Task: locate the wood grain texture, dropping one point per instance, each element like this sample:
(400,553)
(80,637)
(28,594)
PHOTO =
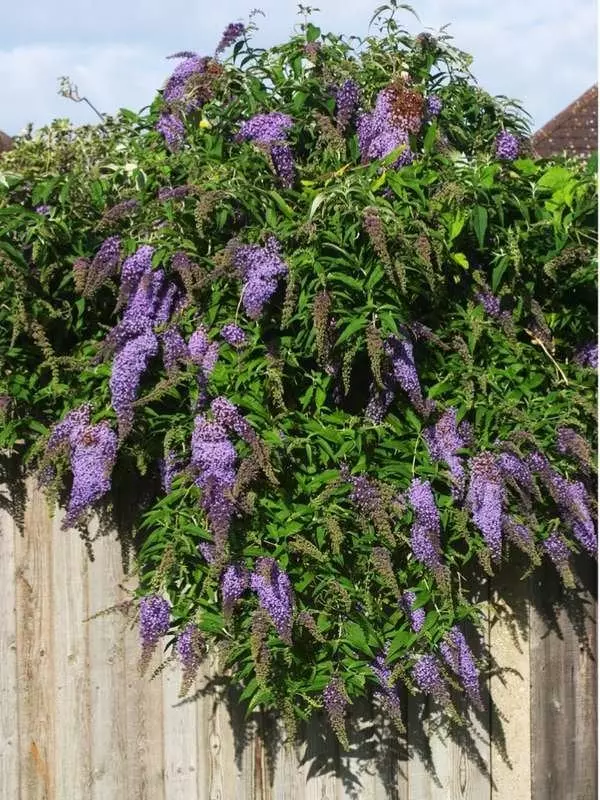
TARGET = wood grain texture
(510,688)
(71,663)
(9,715)
(35,610)
(455,764)
(144,713)
(180,744)
(111,774)
(563,689)
(77,720)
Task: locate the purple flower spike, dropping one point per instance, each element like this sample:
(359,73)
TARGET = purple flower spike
(336,701)
(233,335)
(234,582)
(485,498)
(427,676)
(434,105)
(416,616)
(507,146)
(155,617)
(173,130)
(266,128)
(230,35)
(274,591)
(425,530)
(93,454)
(346,101)
(443,440)
(457,654)
(128,367)
(260,267)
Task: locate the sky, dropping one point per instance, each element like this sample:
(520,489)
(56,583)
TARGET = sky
(541,52)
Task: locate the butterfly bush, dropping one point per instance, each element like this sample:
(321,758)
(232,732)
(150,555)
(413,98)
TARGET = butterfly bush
(340,380)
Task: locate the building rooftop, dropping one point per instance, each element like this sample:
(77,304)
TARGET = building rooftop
(574,131)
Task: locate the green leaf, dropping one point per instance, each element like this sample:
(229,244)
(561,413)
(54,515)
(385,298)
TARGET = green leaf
(479,217)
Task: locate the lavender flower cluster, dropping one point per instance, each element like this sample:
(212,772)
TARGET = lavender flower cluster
(274,590)
(458,656)
(92,450)
(379,133)
(260,268)
(507,146)
(270,132)
(346,103)
(155,618)
(425,530)
(444,440)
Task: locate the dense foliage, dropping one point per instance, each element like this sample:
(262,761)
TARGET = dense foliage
(325,292)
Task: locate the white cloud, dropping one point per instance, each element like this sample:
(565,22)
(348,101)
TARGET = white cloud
(539,51)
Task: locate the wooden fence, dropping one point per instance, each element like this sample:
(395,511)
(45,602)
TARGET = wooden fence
(77,722)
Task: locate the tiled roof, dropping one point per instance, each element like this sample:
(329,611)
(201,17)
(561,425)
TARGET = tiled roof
(5,142)
(574,130)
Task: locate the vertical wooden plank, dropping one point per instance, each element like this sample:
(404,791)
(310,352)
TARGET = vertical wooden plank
(9,718)
(563,689)
(71,662)
(375,766)
(144,723)
(222,773)
(319,763)
(510,687)
(33,558)
(285,783)
(452,764)
(180,739)
(109,698)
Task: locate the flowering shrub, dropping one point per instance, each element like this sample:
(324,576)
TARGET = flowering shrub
(325,301)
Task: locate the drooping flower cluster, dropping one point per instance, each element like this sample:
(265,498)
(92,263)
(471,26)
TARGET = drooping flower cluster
(234,582)
(385,130)
(346,102)
(213,460)
(92,450)
(190,648)
(457,654)
(155,618)
(404,371)
(202,351)
(228,415)
(274,590)
(233,335)
(120,210)
(129,364)
(571,443)
(134,267)
(507,146)
(174,349)
(260,268)
(172,129)
(266,128)
(572,500)
(388,694)
(485,499)
(444,439)
(104,264)
(416,616)
(230,35)
(426,674)
(425,530)
(336,702)
(587,355)
(434,105)
(269,131)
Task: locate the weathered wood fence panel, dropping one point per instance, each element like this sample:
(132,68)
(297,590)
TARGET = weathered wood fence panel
(78,722)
